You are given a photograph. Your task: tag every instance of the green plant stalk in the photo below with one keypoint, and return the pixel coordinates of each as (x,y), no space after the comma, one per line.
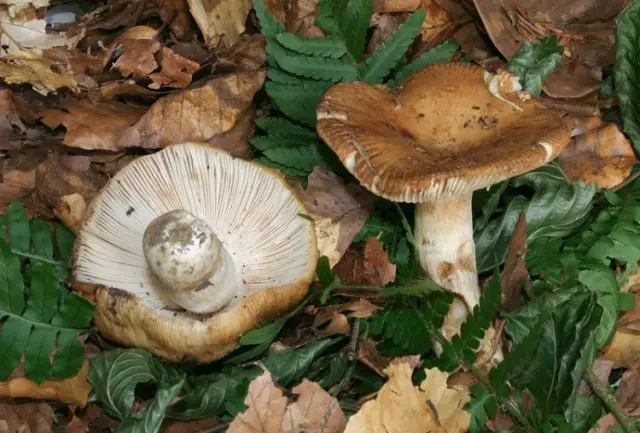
(609,401)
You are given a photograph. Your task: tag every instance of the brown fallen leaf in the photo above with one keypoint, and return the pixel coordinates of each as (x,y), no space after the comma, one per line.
(298,16)
(384,26)
(221,22)
(586,28)
(32,67)
(74,390)
(196,426)
(602,156)
(436,22)
(367,265)
(175,13)
(387,6)
(26,418)
(15,185)
(71,210)
(9,119)
(338,210)
(246,55)
(76,62)
(628,393)
(400,407)
(115,89)
(314,411)
(269,411)
(333,319)
(93,126)
(515,275)
(200,114)
(623,350)
(176,70)
(138,57)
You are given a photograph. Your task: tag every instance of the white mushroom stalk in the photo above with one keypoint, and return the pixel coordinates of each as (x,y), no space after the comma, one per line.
(193,269)
(445,246)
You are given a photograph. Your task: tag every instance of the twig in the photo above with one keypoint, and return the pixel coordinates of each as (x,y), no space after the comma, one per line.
(627,181)
(609,401)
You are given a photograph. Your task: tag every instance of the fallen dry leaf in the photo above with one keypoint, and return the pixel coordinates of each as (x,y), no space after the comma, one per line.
(114,89)
(196,426)
(623,350)
(71,210)
(15,185)
(515,275)
(221,22)
(400,407)
(138,57)
(93,126)
(339,211)
(367,265)
(176,71)
(32,67)
(333,319)
(76,62)
(298,16)
(435,23)
(386,6)
(74,390)
(314,411)
(247,55)
(176,14)
(9,118)
(200,114)
(602,155)
(628,393)
(269,411)
(26,418)
(586,28)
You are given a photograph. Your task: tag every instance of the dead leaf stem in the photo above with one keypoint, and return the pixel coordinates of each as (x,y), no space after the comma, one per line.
(609,401)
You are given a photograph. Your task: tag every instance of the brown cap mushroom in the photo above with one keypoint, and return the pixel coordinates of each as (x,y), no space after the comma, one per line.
(447,131)
(190,248)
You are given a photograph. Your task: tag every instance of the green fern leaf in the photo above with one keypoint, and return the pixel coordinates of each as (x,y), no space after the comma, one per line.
(269,26)
(281,127)
(34,325)
(319,68)
(264,142)
(287,171)
(439,54)
(626,70)
(380,63)
(304,158)
(298,102)
(483,405)
(354,23)
(328,46)
(327,12)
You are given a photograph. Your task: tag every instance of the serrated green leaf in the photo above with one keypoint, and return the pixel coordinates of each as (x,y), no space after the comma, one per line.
(265,334)
(11,283)
(18,226)
(264,142)
(42,304)
(319,68)
(438,54)
(298,101)
(626,71)
(482,406)
(14,337)
(387,56)
(534,62)
(556,209)
(37,366)
(281,127)
(289,366)
(69,354)
(269,26)
(64,243)
(327,13)
(41,239)
(326,46)
(304,159)
(550,375)
(354,23)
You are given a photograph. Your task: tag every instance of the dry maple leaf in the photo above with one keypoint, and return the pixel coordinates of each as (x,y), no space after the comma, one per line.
(400,407)
(269,411)
(73,390)
(93,126)
(32,67)
(221,22)
(176,71)
(601,155)
(201,114)
(26,418)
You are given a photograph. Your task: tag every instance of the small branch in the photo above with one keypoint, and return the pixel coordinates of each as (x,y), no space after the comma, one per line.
(609,401)
(627,181)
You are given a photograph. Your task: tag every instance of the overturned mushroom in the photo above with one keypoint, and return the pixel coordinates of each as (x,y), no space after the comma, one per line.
(190,248)
(449,130)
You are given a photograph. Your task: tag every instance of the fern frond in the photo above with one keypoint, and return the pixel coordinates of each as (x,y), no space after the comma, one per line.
(319,68)
(380,63)
(439,54)
(269,26)
(287,171)
(354,23)
(298,102)
(302,158)
(281,127)
(326,13)
(264,142)
(327,46)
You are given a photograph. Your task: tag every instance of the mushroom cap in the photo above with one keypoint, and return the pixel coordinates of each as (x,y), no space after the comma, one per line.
(251,209)
(443,133)
(181,250)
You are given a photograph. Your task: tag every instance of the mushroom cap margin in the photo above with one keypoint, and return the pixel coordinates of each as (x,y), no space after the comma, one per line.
(441,134)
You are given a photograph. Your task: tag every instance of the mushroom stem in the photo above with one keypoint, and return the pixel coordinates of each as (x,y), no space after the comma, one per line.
(445,246)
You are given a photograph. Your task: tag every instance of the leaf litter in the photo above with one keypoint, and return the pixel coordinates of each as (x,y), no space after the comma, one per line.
(86,89)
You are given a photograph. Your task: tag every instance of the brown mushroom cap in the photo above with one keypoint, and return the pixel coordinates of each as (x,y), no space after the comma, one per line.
(251,209)
(441,134)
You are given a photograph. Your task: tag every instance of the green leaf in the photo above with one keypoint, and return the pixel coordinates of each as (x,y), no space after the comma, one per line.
(438,54)
(36,324)
(269,26)
(298,101)
(571,318)
(327,46)
(283,169)
(265,334)
(327,16)
(303,159)
(387,56)
(556,209)
(626,72)
(482,406)
(114,375)
(534,62)
(319,68)
(354,24)
(281,127)
(289,366)
(603,281)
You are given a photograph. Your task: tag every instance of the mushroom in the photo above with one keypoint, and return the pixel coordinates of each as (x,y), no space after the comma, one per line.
(189,248)
(447,131)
